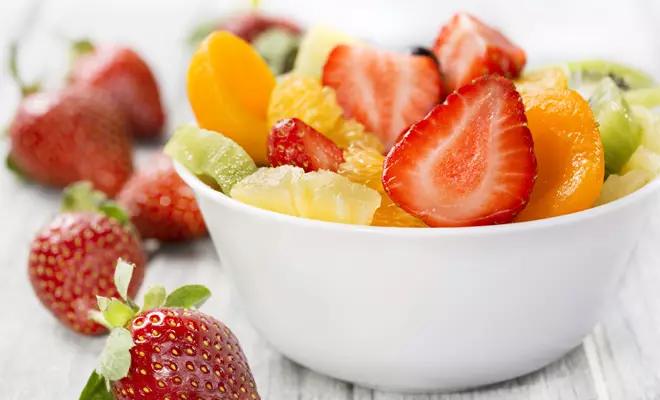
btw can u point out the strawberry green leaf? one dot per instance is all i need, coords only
(26, 88)
(81, 47)
(97, 316)
(102, 303)
(96, 389)
(11, 166)
(123, 275)
(114, 210)
(117, 314)
(154, 298)
(81, 196)
(115, 359)
(188, 296)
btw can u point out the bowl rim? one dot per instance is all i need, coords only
(218, 197)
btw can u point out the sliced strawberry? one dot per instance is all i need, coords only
(468, 49)
(469, 162)
(293, 142)
(384, 91)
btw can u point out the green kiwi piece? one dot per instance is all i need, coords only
(214, 158)
(583, 76)
(620, 131)
(647, 97)
(650, 122)
(618, 186)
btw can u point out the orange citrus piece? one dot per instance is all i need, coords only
(365, 165)
(306, 99)
(569, 153)
(229, 88)
(550, 78)
(349, 132)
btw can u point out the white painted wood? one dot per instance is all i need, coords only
(41, 360)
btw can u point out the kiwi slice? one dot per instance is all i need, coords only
(279, 48)
(620, 132)
(650, 122)
(647, 97)
(643, 159)
(214, 158)
(584, 76)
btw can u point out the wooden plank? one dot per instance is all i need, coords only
(627, 346)
(568, 379)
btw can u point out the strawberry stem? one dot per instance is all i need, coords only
(26, 89)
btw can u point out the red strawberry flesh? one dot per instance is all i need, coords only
(184, 354)
(385, 91)
(468, 49)
(293, 142)
(469, 162)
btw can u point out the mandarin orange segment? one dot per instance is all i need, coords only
(229, 88)
(545, 79)
(389, 214)
(365, 165)
(569, 153)
(306, 99)
(349, 132)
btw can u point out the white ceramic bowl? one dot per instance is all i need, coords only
(421, 310)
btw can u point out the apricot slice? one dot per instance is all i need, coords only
(229, 88)
(569, 153)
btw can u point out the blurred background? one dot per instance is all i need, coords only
(549, 30)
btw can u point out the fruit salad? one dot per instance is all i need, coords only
(459, 133)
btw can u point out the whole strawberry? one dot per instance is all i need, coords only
(168, 351)
(160, 204)
(71, 260)
(58, 138)
(128, 78)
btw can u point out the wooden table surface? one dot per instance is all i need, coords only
(620, 360)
